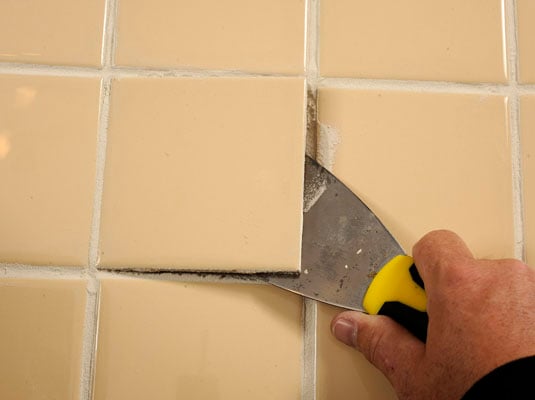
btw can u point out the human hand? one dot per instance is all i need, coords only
(481, 316)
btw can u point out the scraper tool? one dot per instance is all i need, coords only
(349, 259)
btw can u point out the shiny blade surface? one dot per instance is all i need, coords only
(343, 245)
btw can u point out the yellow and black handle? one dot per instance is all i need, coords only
(397, 291)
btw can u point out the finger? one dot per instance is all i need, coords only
(437, 251)
(386, 344)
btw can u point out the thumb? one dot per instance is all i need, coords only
(384, 343)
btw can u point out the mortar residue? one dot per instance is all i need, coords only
(328, 141)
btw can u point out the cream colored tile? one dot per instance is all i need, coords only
(41, 338)
(204, 174)
(423, 161)
(47, 163)
(52, 31)
(342, 372)
(452, 40)
(527, 126)
(526, 44)
(257, 36)
(197, 341)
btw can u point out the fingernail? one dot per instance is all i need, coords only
(345, 331)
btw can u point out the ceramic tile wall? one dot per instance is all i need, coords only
(170, 135)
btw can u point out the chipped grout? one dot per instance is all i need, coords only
(328, 139)
(310, 318)
(513, 105)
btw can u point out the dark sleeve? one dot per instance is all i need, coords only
(514, 380)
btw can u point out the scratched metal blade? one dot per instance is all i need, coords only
(343, 246)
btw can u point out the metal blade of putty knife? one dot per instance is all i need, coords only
(344, 244)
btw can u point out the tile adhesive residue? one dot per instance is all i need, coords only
(327, 142)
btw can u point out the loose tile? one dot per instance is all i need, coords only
(197, 341)
(342, 372)
(423, 161)
(526, 45)
(41, 338)
(47, 162)
(245, 35)
(51, 32)
(204, 174)
(527, 126)
(455, 40)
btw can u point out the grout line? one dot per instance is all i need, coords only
(309, 349)
(415, 86)
(312, 42)
(193, 277)
(89, 339)
(513, 105)
(41, 272)
(93, 285)
(311, 78)
(109, 70)
(109, 34)
(49, 70)
(105, 92)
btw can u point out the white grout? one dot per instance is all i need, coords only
(308, 391)
(310, 320)
(8, 270)
(414, 86)
(513, 104)
(93, 285)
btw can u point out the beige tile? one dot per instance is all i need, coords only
(52, 31)
(342, 372)
(204, 174)
(47, 163)
(526, 44)
(197, 341)
(41, 338)
(527, 126)
(452, 40)
(257, 36)
(424, 161)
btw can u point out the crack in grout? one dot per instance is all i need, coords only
(513, 106)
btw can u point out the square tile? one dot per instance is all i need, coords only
(525, 12)
(52, 31)
(342, 372)
(423, 161)
(204, 174)
(527, 127)
(48, 129)
(453, 40)
(41, 338)
(197, 341)
(245, 35)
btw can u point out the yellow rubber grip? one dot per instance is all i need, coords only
(394, 283)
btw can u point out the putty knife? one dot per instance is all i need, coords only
(349, 259)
